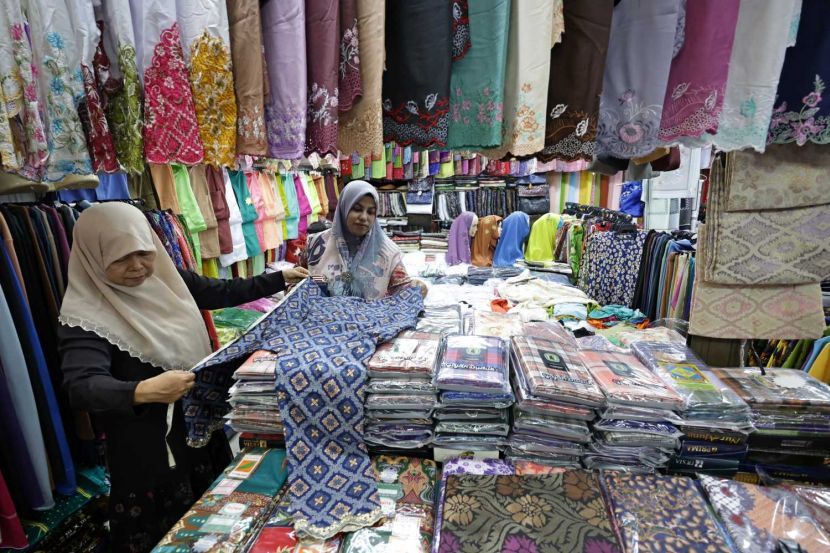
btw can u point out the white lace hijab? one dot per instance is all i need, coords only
(158, 321)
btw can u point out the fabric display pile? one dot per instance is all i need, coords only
(765, 248)
(714, 420)
(253, 397)
(434, 243)
(400, 394)
(791, 416)
(475, 394)
(407, 241)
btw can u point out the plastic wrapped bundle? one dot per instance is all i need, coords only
(473, 364)
(410, 354)
(500, 325)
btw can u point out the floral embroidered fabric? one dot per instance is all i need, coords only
(802, 112)
(211, 79)
(99, 139)
(124, 111)
(557, 512)
(461, 38)
(349, 83)
(171, 131)
(322, 55)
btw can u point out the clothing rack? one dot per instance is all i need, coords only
(580, 210)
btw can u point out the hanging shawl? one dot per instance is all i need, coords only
(206, 40)
(283, 30)
(365, 273)
(171, 130)
(349, 83)
(576, 68)
(514, 231)
(636, 74)
(697, 79)
(485, 240)
(802, 112)
(416, 83)
(459, 242)
(322, 22)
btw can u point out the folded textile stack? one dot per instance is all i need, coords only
(400, 395)
(406, 488)
(480, 275)
(715, 422)
(435, 242)
(474, 382)
(440, 319)
(407, 241)
(633, 432)
(254, 396)
(555, 398)
(791, 415)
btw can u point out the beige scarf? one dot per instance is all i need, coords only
(158, 321)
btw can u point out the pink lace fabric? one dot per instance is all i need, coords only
(171, 132)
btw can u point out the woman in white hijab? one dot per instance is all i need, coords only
(130, 330)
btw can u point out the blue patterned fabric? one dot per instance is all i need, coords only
(323, 345)
(611, 265)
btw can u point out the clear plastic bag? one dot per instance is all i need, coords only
(400, 386)
(558, 427)
(490, 414)
(411, 353)
(490, 428)
(400, 401)
(457, 441)
(473, 364)
(474, 399)
(500, 325)
(528, 443)
(598, 343)
(394, 414)
(537, 406)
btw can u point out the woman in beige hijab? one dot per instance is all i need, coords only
(130, 330)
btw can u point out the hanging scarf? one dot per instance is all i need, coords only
(485, 240)
(514, 232)
(459, 243)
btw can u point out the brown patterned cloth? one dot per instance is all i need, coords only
(784, 389)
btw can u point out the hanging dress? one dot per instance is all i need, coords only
(207, 52)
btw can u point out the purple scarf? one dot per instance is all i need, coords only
(459, 247)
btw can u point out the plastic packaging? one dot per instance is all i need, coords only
(549, 330)
(400, 386)
(394, 414)
(557, 427)
(777, 390)
(474, 399)
(490, 428)
(500, 325)
(527, 403)
(410, 354)
(598, 343)
(489, 414)
(651, 334)
(466, 440)
(473, 364)
(528, 464)
(647, 414)
(547, 446)
(400, 402)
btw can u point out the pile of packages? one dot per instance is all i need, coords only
(475, 394)
(253, 397)
(715, 422)
(434, 243)
(791, 415)
(440, 319)
(407, 241)
(632, 432)
(400, 395)
(479, 275)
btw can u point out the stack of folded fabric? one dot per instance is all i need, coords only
(715, 422)
(254, 398)
(440, 319)
(633, 432)
(407, 241)
(500, 325)
(480, 275)
(473, 379)
(791, 415)
(400, 393)
(434, 242)
(556, 397)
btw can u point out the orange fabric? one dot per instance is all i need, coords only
(500, 305)
(485, 240)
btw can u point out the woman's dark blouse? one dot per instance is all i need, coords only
(101, 379)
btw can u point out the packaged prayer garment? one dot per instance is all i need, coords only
(473, 364)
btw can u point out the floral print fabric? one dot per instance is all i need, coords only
(609, 266)
(350, 86)
(662, 514)
(323, 56)
(558, 512)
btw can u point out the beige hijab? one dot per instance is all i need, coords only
(157, 322)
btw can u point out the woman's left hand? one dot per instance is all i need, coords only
(295, 275)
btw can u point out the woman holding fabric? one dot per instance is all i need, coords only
(130, 329)
(355, 257)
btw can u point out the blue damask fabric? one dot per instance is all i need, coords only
(323, 345)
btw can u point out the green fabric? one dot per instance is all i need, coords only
(575, 248)
(234, 317)
(258, 264)
(542, 242)
(379, 166)
(190, 211)
(246, 208)
(313, 197)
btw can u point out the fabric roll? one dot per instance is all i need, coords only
(249, 79)
(350, 86)
(361, 127)
(573, 93)
(284, 33)
(477, 80)
(697, 80)
(322, 22)
(417, 78)
(636, 75)
(802, 110)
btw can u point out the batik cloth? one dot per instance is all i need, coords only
(761, 41)
(769, 247)
(777, 389)
(477, 82)
(473, 363)
(558, 512)
(665, 514)
(697, 80)
(552, 372)
(610, 266)
(757, 517)
(802, 110)
(463, 466)
(416, 83)
(576, 68)
(410, 354)
(633, 91)
(324, 343)
(625, 381)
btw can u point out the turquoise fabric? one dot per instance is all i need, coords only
(292, 218)
(477, 82)
(246, 207)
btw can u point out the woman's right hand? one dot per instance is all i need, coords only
(168, 387)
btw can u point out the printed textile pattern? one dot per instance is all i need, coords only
(124, 110)
(350, 87)
(662, 513)
(461, 39)
(283, 128)
(425, 123)
(756, 517)
(322, 119)
(68, 153)
(323, 345)
(557, 512)
(211, 79)
(99, 139)
(171, 131)
(35, 146)
(610, 267)
(807, 124)
(776, 388)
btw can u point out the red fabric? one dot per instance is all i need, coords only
(500, 305)
(11, 531)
